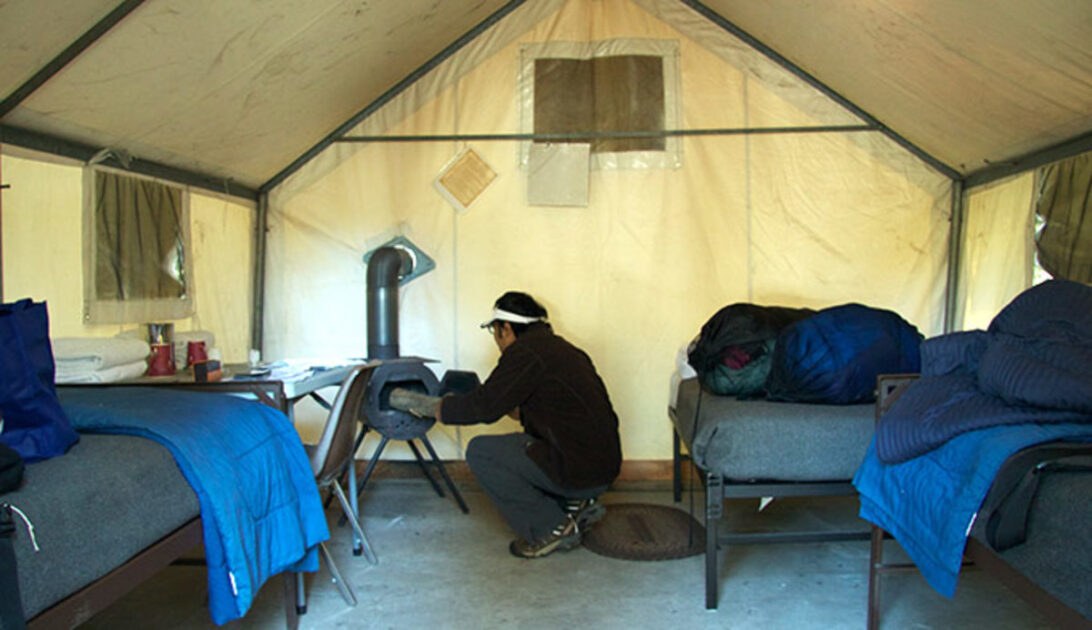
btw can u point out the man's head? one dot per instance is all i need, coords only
(513, 313)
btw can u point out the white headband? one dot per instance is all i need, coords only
(508, 316)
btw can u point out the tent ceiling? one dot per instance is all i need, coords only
(972, 83)
(32, 36)
(232, 89)
(240, 89)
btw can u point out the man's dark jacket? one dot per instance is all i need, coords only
(562, 402)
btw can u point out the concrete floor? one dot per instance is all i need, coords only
(440, 568)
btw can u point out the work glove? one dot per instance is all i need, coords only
(416, 403)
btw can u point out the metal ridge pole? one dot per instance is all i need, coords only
(955, 262)
(398, 88)
(1065, 149)
(3, 187)
(78, 151)
(777, 58)
(609, 134)
(82, 43)
(257, 313)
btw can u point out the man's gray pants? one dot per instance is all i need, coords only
(531, 502)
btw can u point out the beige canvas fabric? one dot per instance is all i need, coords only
(239, 90)
(799, 220)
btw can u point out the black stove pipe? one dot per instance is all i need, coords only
(385, 267)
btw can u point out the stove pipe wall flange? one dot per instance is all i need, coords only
(385, 267)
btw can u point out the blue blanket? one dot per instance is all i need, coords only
(260, 507)
(929, 503)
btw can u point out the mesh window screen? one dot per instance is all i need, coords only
(136, 250)
(601, 88)
(138, 239)
(601, 94)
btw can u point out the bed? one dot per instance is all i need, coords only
(759, 448)
(157, 472)
(988, 453)
(1051, 576)
(1029, 529)
(772, 402)
(70, 522)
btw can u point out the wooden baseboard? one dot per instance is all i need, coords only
(634, 471)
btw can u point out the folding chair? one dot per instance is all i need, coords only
(331, 457)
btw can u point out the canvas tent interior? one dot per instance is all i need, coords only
(814, 154)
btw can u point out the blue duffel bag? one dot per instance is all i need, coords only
(32, 421)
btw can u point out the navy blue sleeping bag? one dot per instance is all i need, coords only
(835, 355)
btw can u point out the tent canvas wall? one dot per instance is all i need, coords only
(229, 101)
(800, 219)
(43, 241)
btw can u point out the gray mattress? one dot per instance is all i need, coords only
(1057, 555)
(93, 508)
(763, 440)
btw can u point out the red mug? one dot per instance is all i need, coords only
(161, 361)
(195, 352)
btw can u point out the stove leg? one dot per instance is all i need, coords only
(443, 473)
(424, 468)
(371, 465)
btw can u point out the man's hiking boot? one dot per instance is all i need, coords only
(586, 512)
(564, 537)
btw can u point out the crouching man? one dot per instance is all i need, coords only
(546, 480)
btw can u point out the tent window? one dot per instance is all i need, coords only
(1063, 210)
(603, 87)
(137, 241)
(602, 94)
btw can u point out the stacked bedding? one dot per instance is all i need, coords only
(982, 396)
(99, 359)
(831, 356)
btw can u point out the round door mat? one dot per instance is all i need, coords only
(639, 531)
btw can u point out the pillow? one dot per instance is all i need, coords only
(835, 355)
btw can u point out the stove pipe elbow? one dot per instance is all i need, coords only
(385, 267)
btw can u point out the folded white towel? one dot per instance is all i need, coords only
(87, 354)
(114, 374)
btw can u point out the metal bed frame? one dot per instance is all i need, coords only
(718, 488)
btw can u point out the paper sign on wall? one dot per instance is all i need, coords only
(464, 178)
